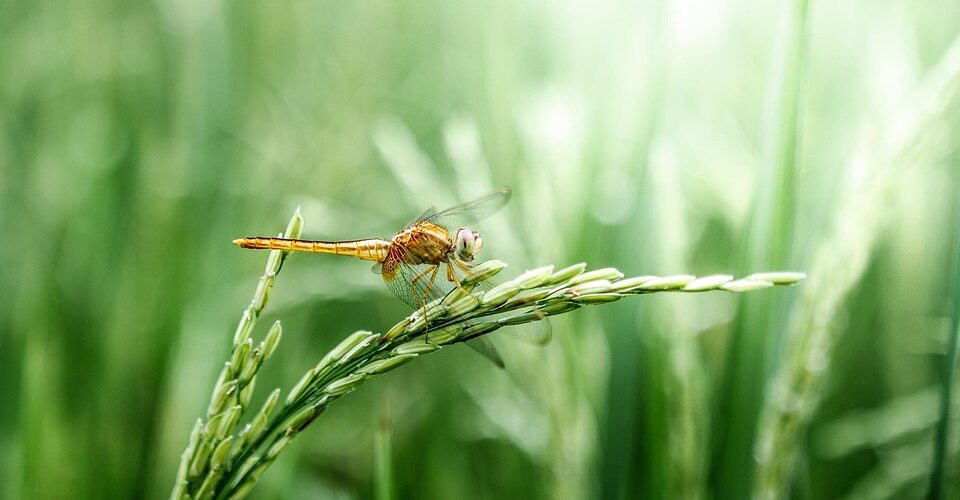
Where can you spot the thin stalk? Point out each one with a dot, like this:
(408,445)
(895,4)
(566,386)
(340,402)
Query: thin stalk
(937,478)
(383,456)
(768,246)
(209,448)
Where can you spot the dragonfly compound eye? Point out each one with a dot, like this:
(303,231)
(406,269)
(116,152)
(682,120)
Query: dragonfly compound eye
(468,244)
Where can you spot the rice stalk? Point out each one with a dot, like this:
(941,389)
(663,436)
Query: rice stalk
(212,439)
(220,464)
(364,355)
(837,268)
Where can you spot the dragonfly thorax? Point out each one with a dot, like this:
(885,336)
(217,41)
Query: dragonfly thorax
(423,243)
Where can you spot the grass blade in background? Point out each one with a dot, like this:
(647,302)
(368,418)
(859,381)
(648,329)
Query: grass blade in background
(837,268)
(768,244)
(684,380)
(383,458)
(938,486)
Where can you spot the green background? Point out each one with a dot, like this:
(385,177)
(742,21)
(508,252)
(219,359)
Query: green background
(138,138)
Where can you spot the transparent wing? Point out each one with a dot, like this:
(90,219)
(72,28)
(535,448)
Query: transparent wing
(470,212)
(538,332)
(419,284)
(415,285)
(485,348)
(426,214)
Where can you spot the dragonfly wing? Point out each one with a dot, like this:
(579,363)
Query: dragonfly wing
(416,285)
(471,212)
(486,349)
(426,214)
(538,333)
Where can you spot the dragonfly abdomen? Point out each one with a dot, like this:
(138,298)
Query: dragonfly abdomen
(373,249)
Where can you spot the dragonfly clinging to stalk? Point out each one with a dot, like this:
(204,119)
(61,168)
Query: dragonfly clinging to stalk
(412,259)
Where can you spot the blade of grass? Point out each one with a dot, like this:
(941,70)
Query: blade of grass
(684,379)
(899,473)
(937,482)
(382,454)
(897,421)
(768,244)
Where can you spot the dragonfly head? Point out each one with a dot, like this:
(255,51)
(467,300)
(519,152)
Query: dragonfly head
(467,244)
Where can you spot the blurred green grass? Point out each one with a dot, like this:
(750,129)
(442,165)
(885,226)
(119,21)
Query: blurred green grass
(137,139)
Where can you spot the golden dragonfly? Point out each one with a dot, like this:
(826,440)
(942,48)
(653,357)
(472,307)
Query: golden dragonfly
(411,260)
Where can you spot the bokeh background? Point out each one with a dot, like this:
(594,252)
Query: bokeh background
(660,137)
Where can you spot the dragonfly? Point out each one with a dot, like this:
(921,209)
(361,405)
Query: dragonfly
(411,262)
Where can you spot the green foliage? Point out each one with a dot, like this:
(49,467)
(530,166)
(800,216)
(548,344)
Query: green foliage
(138,139)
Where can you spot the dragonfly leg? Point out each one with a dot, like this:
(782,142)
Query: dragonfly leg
(420,275)
(426,291)
(462,265)
(426,294)
(452,277)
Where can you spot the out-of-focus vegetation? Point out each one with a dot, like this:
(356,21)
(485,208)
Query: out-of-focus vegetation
(137,139)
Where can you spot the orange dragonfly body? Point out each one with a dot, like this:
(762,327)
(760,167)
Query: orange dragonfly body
(412,259)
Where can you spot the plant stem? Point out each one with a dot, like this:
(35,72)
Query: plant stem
(384,460)
(937,478)
(768,246)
